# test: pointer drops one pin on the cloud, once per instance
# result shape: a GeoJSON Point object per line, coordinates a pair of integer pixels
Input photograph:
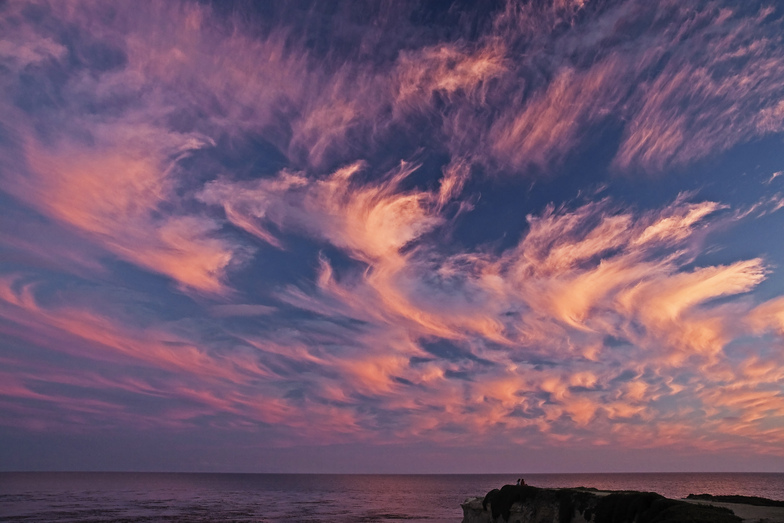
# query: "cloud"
{"type": "Point", "coordinates": [661, 88]}
{"type": "Point", "coordinates": [112, 191]}
{"type": "Point", "coordinates": [578, 277]}
{"type": "Point", "coordinates": [25, 53]}
{"type": "Point", "coordinates": [373, 223]}
{"type": "Point", "coordinates": [678, 120]}
{"type": "Point", "coordinates": [768, 315]}
{"type": "Point", "coordinates": [191, 382]}
{"type": "Point", "coordinates": [774, 176]}
{"type": "Point", "coordinates": [220, 154]}
{"type": "Point", "coordinates": [450, 71]}
{"type": "Point", "coordinates": [548, 126]}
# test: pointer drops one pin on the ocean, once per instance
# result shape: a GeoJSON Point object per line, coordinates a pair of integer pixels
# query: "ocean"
{"type": "Point", "coordinates": [151, 497]}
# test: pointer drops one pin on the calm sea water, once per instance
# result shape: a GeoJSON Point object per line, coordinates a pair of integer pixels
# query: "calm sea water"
{"type": "Point", "coordinates": [138, 497]}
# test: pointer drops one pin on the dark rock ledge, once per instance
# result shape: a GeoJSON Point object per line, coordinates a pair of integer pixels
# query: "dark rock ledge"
{"type": "Point", "coordinates": [744, 500]}
{"type": "Point", "coordinates": [526, 504]}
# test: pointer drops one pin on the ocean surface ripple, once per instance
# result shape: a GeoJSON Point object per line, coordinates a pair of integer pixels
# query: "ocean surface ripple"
{"type": "Point", "coordinates": [147, 497]}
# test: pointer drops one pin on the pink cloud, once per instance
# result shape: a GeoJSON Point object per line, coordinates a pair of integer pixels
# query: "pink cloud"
{"type": "Point", "coordinates": [678, 119]}
{"type": "Point", "coordinates": [668, 304]}
{"type": "Point", "coordinates": [111, 194]}
{"type": "Point", "coordinates": [601, 275]}
{"type": "Point", "coordinates": [582, 332]}
{"type": "Point", "coordinates": [768, 316]}
{"type": "Point", "coordinates": [548, 127]}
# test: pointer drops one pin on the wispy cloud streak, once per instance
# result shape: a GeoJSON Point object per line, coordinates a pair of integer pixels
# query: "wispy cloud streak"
{"type": "Point", "coordinates": [333, 227]}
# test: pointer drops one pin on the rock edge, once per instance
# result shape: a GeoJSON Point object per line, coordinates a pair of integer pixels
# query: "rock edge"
{"type": "Point", "coordinates": [527, 504]}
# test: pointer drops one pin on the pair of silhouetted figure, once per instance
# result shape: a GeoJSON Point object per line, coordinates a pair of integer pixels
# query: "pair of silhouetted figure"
{"type": "Point", "coordinates": [520, 481]}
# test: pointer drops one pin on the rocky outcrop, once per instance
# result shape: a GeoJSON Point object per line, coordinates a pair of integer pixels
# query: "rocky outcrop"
{"type": "Point", "coordinates": [526, 504]}
{"type": "Point", "coordinates": [755, 501]}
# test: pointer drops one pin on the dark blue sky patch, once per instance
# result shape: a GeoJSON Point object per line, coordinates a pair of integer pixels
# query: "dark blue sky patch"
{"type": "Point", "coordinates": [458, 375]}
{"type": "Point", "coordinates": [103, 57]}
{"type": "Point", "coordinates": [625, 376]}
{"type": "Point", "coordinates": [527, 412]}
{"type": "Point", "coordinates": [248, 156]}
{"type": "Point", "coordinates": [39, 89]}
{"type": "Point", "coordinates": [450, 351]}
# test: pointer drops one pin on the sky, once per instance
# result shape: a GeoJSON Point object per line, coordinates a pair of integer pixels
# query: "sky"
{"type": "Point", "coordinates": [392, 236]}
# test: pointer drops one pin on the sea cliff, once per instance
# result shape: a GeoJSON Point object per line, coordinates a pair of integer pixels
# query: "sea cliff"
{"type": "Point", "coordinates": [527, 504]}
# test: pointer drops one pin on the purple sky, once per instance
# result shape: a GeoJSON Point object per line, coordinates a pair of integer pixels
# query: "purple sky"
{"type": "Point", "coordinates": [392, 236]}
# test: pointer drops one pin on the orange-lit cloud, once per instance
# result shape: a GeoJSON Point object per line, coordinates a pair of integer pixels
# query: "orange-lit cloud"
{"type": "Point", "coordinates": [603, 274]}
{"type": "Point", "coordinates": [112, 192]}
{"type": "Point", "coordinates": [328, 212]}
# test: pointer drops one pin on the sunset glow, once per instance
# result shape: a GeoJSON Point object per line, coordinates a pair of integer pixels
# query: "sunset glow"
{"type": "Point", "coordinates": [392, 236]}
